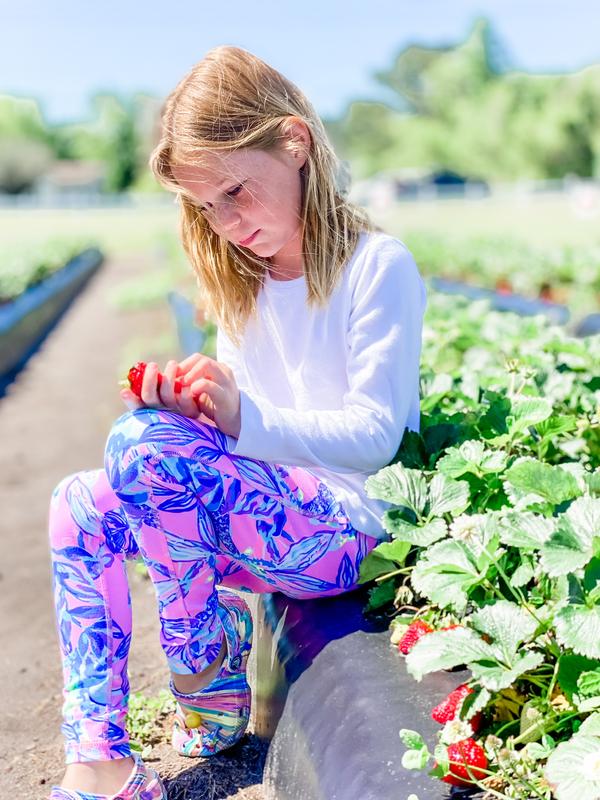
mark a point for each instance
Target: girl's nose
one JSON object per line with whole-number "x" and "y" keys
{"x": 228, "y": 216}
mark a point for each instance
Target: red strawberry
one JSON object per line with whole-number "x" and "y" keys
{"x": 412, "y": 635}
{"x": 136, "y": 375}
{"x": 466, "y": 753}
{"x": 449, "y": 708}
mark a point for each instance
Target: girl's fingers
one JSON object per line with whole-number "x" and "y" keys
{"x": 130, "y": 399}
{"x": 167, "y": 388}
{"x": 211, "y": 370}
{"x": 206, "y": 386}
{"x": 149, "y": 389}
{"x": 189, "y": 362}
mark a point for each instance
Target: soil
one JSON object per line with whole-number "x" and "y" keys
{"x": 54, "y": 420}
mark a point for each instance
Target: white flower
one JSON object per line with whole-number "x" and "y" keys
{"x": 469, "y": 528}
{"x": 455, "y": 731}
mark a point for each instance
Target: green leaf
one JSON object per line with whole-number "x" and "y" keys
{"x": 447, "y": 496}
{"x": 393, "y": 551}
{"x": 412, "y": 739}
{"x": 525, "y": 529}
{"x": 495, "y": 676}
{"x": 527, "y": 412}
{"x": 570, "y": 667}
{"x": 399, "y": 485}
{"x": 419, "y": 535}
{"x": 415, "y": 759}
{"x": 578, "y": 628}
{"x": 445, "y": 573}
{"x": 507, "y": 624}
{"x": 523, "y": 574}
{"x": 446, "y": 649}
{"x": 374, "y": 565}
{"x": 530, "y": 481}
{"x": 471, "y": 456}
{"x": 588, "y": 683}
{"x": 381, "y": 595}
{"x": 570, "y": 546}
{"x": 555, "y": 426}
{"x": 568, "y": 771}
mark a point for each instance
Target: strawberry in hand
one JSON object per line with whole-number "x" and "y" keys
{"x": 135, "y": 376}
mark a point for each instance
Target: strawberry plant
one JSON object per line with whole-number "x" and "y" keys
{"x": 493, "y": 511}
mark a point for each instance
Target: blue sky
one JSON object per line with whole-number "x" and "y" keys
{"x": 62, "y": 51}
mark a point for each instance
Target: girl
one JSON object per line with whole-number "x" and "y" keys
{"x": 252, "y": 477}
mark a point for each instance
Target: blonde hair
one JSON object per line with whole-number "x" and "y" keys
{"x": 229, "y": 100}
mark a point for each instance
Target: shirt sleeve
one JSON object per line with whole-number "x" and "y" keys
{"x": 383, "y": 355}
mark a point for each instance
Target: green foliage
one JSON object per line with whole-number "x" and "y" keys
{"x": 27, "y": 265}
{"x": 496, "y": 499}
{"x": 144, "y": 719}
{"x": 460, "y": 108}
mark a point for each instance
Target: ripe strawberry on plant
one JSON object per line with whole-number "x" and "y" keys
{"x": 135, "y": 377}
{"x": 412, "y": 635}
{"x": 468, "y": 757}
{"x": 449, "y": 708}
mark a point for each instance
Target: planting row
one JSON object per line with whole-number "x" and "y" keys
{"x": 27, "y": 265}
{"x": 494, "y": 558}
{"x": 565, "y": 275}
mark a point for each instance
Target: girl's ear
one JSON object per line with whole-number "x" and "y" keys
{"x": 300, "y": 139}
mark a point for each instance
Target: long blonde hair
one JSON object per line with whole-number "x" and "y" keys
{"x": 232, "y": 99}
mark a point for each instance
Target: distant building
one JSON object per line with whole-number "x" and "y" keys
{"x": 70, "y": 177}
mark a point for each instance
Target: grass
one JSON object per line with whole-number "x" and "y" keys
{"x": 543, "y": 220}
{"x": 145, "y": 717}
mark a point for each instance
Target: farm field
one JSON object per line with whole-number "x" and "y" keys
{"x": 518, "y": 387}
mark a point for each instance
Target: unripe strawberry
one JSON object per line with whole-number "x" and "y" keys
{"x": 468, "y": 757}
{"x": 413, "y": 633}
{"x": 449, "y": 708}
{"x": 135, "y": 377}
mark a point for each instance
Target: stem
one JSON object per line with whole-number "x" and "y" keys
{"x": 552, "y": 682}
{"x": 394, "y": 572}
{"x": 489, "y": 585}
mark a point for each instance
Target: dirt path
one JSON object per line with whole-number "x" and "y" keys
{"x": 54, "y": 420}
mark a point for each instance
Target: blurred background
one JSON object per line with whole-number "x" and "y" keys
{"x": 471, "y": 130}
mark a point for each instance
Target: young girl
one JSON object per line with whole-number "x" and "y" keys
{"x": 252, "y": 476}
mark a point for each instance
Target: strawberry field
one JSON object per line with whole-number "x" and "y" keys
{"x": 494, "y": 558}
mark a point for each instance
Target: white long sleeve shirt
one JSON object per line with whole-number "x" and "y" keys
{"x": 332, "y": 390}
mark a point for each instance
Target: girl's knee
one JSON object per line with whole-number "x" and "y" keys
{"x": 73, "y": 500}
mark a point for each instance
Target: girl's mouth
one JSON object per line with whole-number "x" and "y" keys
{"x": 249, "y": 240}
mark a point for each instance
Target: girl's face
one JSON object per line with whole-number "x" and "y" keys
{"x": 249, "y": 190}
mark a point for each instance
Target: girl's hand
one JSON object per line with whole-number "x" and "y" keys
{"x": 213, "y": 385}
{"x": 151, "y": 397}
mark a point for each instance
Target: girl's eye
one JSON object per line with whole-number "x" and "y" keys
{"x": 232, "y": 193}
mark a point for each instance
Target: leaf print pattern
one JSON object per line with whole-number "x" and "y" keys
{"x": 172, "y": 494}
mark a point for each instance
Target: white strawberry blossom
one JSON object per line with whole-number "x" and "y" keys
{"x": 455, "y": 731}
{"x": 469, "y": 528}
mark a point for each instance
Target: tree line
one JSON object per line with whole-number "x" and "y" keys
{"x": 458, "y": 107}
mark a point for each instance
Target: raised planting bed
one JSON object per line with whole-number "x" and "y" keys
{"x": 331, "y": 694}
{"x": 26, "y": 320}
{"x": 556, "y": 313}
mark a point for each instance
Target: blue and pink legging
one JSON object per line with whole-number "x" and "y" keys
{"x": 199, "y": 516}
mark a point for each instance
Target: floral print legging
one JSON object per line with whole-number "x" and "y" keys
{"x": 199, "y": 516}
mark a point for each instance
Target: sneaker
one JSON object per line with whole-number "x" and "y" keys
{"x": 144, "y": 783}
{"x": 216, "y": 717}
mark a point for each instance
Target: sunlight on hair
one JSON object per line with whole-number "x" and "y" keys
{"x": 231, "y": 99}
